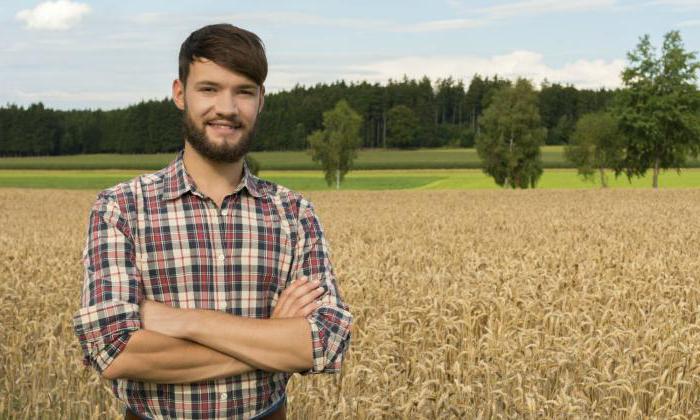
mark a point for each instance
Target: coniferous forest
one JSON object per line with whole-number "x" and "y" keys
{"x": 407, "y": 113}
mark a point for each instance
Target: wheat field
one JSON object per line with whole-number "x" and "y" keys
{"x": 477, "y": 304}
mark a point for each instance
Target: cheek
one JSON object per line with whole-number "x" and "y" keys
{"x": 251, "y": 111}
{"x": 197, "y": 105}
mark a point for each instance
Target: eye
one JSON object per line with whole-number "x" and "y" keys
{"x": 207, "y": 89}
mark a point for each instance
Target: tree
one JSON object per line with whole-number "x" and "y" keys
{"x": 658, "y": 108}
{"x": 595, "y": 145}
{"x": 335, "y": 146}
{"x": 402, "y": 127}
{"x": 558, "y": 111}
{"x": 511, "y": 136}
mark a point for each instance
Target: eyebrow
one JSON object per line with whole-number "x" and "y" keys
{"x": 218, "y": 85}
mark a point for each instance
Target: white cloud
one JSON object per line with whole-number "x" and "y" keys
{"x": 437, "y": 25}
{"x": 545, "y": 6}
{"x": 122, "y": 97}
{"x": 476, "y": 17}
{"x": 308, "y": 19}
{"x": 531, "y": 7}
{"x": 678, "y": 5}
{"x": 53, "y": 15}
{"x": 590, "y": 74}
{"x": 689, "y": 23}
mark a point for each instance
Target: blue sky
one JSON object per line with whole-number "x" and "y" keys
{"x": 107, "y": 54}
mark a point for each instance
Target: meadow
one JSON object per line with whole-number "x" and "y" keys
{"x": 552, "y": 156}
{"x": 423, "y": 179}
{"x": 373, "y": 170}
{"x": 467, "y": 304}
{"x": 367, "y": 159}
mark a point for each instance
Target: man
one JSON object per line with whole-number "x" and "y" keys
{"x": 205, "y": 286}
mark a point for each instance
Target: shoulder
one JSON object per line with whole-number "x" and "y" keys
{"x": 125, "y": 194}
{"x": 292, "y": 201}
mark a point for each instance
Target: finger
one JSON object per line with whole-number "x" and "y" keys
{"x": 285, "y": 300}
{"x": 304, "y": 289}
{"x": 309, "y": 297}
{"x": 309, "y": 308}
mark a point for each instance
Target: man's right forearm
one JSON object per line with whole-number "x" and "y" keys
{"x": 153, "y": 357}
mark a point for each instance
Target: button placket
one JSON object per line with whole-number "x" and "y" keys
{"x": 218, "y": 255}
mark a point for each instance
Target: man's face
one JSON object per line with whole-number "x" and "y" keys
{"x": 220, "y": 110}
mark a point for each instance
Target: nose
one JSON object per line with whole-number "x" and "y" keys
{"x": 226, "y": 104}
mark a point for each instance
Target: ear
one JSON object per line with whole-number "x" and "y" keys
{"x": 179, "y": 94}
{"x": 262, "y": 99}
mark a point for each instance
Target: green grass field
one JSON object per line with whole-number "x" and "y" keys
{"x": 368, "y": 159}
{"x": 374, "y": 170}
{"x": 355, "y": 180}
{"x": 552, "y": 157}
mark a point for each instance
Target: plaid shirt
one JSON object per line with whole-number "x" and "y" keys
{"x": 156, "y": 237}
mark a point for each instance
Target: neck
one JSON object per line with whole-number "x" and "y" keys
{"x": 214, "y": 179}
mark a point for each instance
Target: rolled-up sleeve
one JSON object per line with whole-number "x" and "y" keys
{"x": 331, "y": 323}
{"x": 109, "y": 309}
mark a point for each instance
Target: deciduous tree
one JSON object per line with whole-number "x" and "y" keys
{"x": 658, "y": 108}
{"x": 335, "y": 146}
{"x": 511, "y": 136}
{"x": 595, "y": 145}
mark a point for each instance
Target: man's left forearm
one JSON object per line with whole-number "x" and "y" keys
{"x": 282, "y": 345}
{"x": 277, "y": 344}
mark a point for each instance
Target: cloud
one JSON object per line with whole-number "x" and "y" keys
{"x": 531, "y": 7}
{"x": 112, "y": 98}
{"x": 56, "y": 15}
{"x": 689, "y": 23}
{"x": 678, "y": 5}
{"x": 476, "y": 17}
{"x": 437, "y": 25}
{"x": 544, "y": 6}
{"x": 588, "y": 74}
{"x": 309, "y": 19}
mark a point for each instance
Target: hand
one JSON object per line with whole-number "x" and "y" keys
{"x": 299, "y": 299}
{"x": 161, "y": 318}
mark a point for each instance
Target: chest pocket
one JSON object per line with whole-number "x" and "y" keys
{"x": 191, "y": 256}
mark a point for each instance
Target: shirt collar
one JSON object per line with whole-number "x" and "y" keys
{"x": 177, "y": 181}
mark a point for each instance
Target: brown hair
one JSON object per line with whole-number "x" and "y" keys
{"x": 229, "y": 46}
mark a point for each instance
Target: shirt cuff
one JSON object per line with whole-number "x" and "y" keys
{"x": 319, "y": 361}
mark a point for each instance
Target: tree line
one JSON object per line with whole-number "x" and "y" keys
{"x": 653, "y": 122}
{"x": 405, "y": 113}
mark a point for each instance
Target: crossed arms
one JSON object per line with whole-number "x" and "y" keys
{"x": 187, "y": 345}
{"x": 126, "y": 336}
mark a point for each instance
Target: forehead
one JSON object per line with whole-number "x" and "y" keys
{"x": 205, "y": 70}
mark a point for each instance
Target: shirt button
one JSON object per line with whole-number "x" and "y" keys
{"x": 221, "y": 257}
{"x": 223, "y": 305}
{"x": 224, "y": 212}
{"x": 223, "y": 396}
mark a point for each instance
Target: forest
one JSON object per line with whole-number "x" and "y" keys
{"x": 405, "y": 114}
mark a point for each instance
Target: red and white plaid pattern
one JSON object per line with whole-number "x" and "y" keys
{"x": 156, "y": 237}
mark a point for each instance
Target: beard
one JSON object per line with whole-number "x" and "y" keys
{"x": 222, "y": 153}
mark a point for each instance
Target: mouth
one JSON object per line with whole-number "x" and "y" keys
{"x": 225, "y": 127}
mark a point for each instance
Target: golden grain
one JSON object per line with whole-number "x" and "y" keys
{"x": 479, "y": 304}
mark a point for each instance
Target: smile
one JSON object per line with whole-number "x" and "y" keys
{"x": 225, "y": 127}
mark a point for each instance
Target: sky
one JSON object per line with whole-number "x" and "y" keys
{"x": 81, "y": 54}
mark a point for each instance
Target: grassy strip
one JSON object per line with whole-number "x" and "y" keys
{"x": 298, "y": 180}
{"x": 552, "y": 156}
{"x": 356, "y": 180}
{"x": 374, "y": 159}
